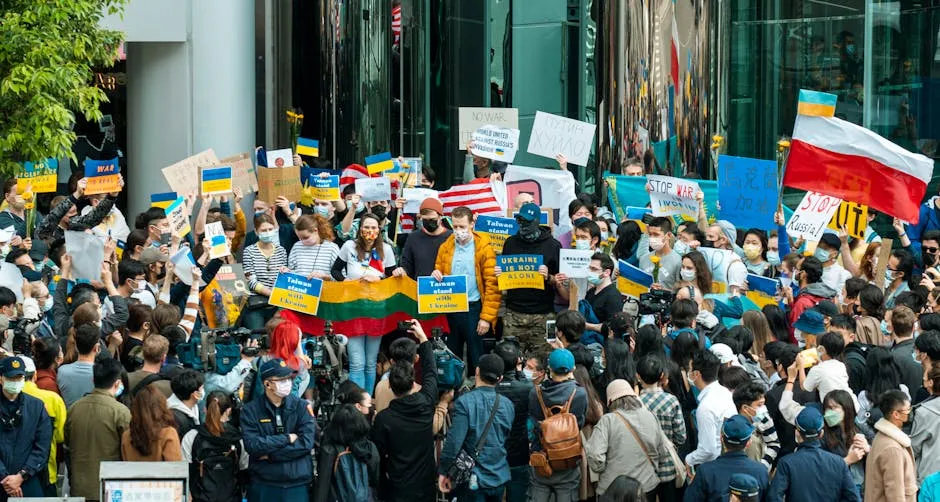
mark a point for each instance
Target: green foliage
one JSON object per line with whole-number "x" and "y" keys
{"x": 48, "y": 52}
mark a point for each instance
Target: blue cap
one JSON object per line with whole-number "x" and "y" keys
{"x": 12, "y": 367}
{"x": 275, "y": 368}
{"x": 811, "y": 321}
{"x": 743, "y": 485}
{"x": 809, "y": 422}
{"x": 561, "y": 361}
{"x": 737, "y": 430}
{"x": 529, "y": 212}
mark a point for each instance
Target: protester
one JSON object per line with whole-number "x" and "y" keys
{"x": 262, "y": 262}
{"x": 422, "y": 247}
{"x": 151, "y": 436}
{"x": 889, "y": 469}
{"x": 355, "y": 459}
{"x": 925, "y": 427}
{"x": 215, "y": 453}
{"x": 715, "y": 405}
{"x": 188, "y": 392}
{"x": 55, "y": 407}
{"x": 516, "y": 386}
{"x": 75, "y": 379}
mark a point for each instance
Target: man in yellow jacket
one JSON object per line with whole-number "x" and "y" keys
{"x": 469, "y": 253}
{"x": 55, "y": 407}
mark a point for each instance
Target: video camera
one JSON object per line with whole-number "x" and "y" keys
{"x": 326, "y": 370}
{"x": 657, "y": 302}
{"x": 222, "y": 348}
{"x": 449, "y": 366}
{"x": 22, "y": 335}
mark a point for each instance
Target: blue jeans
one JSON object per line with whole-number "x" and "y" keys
{"x": 257, "y": 318}
{"x": 463, "y": 330}
{"x": 518, "y": 486}
{"x": 363, "y": 351}
{"x": 481, "y": 495}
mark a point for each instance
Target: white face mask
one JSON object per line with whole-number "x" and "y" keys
{"x": 282, "y": 388}
{"x": 656, "y": 243}
{"x": 462, "y": 236}
{"x": 761, "y": 413}
{"x": 687, "y": 275}
{"x": 682, "y": 248}
{"x": 47, "y": 305}
{"x": 529, "y": 374}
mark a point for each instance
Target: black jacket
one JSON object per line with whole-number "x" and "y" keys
{"x": 854, "y": 356}
{"x": 528, "y": 300}
{"x": 364, "y": 450}
{"x": 274, "y": 460}
{"x": 205, "y": 444}
{"x": 516, "y": 388}
{"x": 404, "y": 435}
{"x": 25, "y": 447}
{"x": 785, "y": 431}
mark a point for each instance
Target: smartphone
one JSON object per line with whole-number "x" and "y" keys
{"x": 165, "y": 239}
{"x": 550, "y": 335}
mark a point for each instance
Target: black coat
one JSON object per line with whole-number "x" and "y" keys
{"x": 516, "y": 388}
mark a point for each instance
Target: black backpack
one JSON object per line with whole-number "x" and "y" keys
{"x": 350, "y": 480}
{"x": 213, "y": 472}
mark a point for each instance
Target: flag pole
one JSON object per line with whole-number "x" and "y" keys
{"x": 783, "y": 153}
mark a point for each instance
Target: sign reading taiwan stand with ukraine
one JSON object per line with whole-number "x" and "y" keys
{"x": 103, "y": 176}
{"x": 497, "y": 229}
{"x": 520, "y": 271}
{"x": 297, "y": 293}
{"x": 447, "y": 296}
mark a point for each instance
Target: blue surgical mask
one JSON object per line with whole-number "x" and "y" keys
{"x": 821, "y": 254}
{"x": 681, "y": 248}
{"x": 773, "y": 258}
{"x": 582, "y": 244}
{"x": 120, "y": 390}
{"x": 269, "y": 237}
{"x": 259, "y": 213}
{"x": 322, "y": 211}
{"x": 884, "y": 327}
{"x": 594, "y": 278}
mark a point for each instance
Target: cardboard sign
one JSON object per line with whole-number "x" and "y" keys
{"x": 178, "y": 215}
{"x": 243, "y": 171}
{"x": 520, "y": 271}
{"x": 747, "y": 191}
{"x": 325, "y": 187}
{"x": 553, "y": 134}
{"x": 574, "y": 262}
{"x": 853, "y": 216}
{"x": 162, "y": 200}
{"x": 812, "y": 216}
{"x": 279, "y": 158}
{"x": 495, "y": 143}
{"x": 183, "y": 177}
{"x": 215, "y": 180}
{"x": 103, "y": 176}
{"x": 274, "y": 183}
{"x": 673, "y": 197}
{"x": 470, "y": 119}
{"x": 232, "y": 278}
{"x": 497, "y": 229}
{"x": 632, "y": 281}
{"x": 445, "y": 297}
{"x": 373, "y": 189}
{"x": 218, "y": 247}
{"x": 297, "y": 293}
{"x": 40, "y": 176}
{"x": 414, "y": 197}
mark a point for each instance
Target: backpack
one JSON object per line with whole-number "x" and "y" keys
{"x": 449, "y": 368}
{"x": 350, "y": 481}
{"x": 561, "y": 436}
{"x": 213, "y": 473}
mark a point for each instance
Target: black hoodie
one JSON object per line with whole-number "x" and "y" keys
{"x": 533, "y": 301}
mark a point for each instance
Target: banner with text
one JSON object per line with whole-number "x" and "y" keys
{"x": 747, "y": 191}
{"x": 853, "y": 216}
{"x": 812, "y": 216}
{"x": 41, "y": 176}
{"x": 495, "y": 143}
{"x": 447, "y": 296}
{"x": 497, "y": 229}
{"x": 470, "y": 119}
{"x": 673, "y": 197}
{"x": 103, "y": 176}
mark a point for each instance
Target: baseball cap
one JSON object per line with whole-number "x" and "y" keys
{"x": 151, "y": 255}
{"x": 12, "y": 367}
{"x": 529, "y": 212}
{"x": 432, "y": 204}
{"x": 275, "y": 368}
{"x": 561, "y": 361}
{"x": 617, "y": 389}
{"x": 491, "y": 367}
{"x": 743, "y": 485}
{"x": 831, "y": 240}
{"x": 737, "y": 430}
{"x": 723, "y": 352}
{"x": 826, "y": 308}
{"x": 810, "y": 321}
{"x": 809, "y": 422}
{"x": 28, "y": 365}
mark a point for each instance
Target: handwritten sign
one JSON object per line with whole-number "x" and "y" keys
{"x": 496, "y": 143}
{"x": 520, "y": 271}
{"x": 284, "y": 182}
{"x": 470, "y": 119}
{"x": 232, "y": 278}
{"x": 747, "y": 191}
{"x": 178, "y": 215}
{"x": 553, "y": 134}
{"x": 325, "y": 187}
{"x": 414, "y": 197}
{"x": 297, "y": 293}
{"x": 215, "y": 180}
{"x": 812, "y": 216}
{"x": 183, "y": 177}
{"x": 447, "y": 296}
{"x": 497, "y": 229}
{"x": 853, "y": 216}
{"x": 574, "y": 262}
{"x": 279, "y": 158}
{"x": 243, "y": 171}
{"x": 372, "y": 189}
{"x": 183, "y": 265}
{"x": 103, "y": 176}
{"x": 218, "y": 247}
{"x": 41, "y": 176}
{"x": 673, "y": 197}
{"x": 162, "y": 200}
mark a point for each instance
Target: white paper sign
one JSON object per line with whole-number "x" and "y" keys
{"x": 553, "y": 134}
{"x": 574, "y": 262}
{"x": 372, "y": 189}
{"x": 218, "y": 247}
{"x": 414, "y": 197}
{"x": 12, "y": 278}
{"x": 471, "y": 119}
{"x": 280, "y": 158}
{"x": 812, "y": 216}
{"x": 496, "y": 143}
{"x": 183, "y": 263}
{"x": 673, "y": 196}
{"x": 6, "y": 235}
{"x": 87, "y": 252}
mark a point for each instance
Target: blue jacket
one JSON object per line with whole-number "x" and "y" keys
{"x": 25, "y": 447}
{"x": 471, "y": 413}
{"x": 711, "y": 478}
{"x": 274, "y": 459}
{"x": 811, "y": 474}
{"x": 929, "y": 220}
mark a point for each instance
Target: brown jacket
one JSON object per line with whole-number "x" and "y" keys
{"x": 485, "y": 266}
{"x": 166, "y": 448}
{"x": 93, "y": 431}
{"x": 889, "y": 469}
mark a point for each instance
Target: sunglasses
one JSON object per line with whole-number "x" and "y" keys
{"x": 931, "y": 250}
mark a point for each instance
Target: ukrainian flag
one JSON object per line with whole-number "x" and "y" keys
{"x": 815, "y": 103}
{"x": 632, "y": 281}
{"x": 761, "y": 290}
{"x": 308, "y": 147}
{"x": 162, "y": 200}
{"x": 379, "y": 162}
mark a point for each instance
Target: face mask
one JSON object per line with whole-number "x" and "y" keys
{"x": 691, "y": 380}
{"x": 200, "y": 396}
{"x": 773, "y": 257}
{"x": 462, "y": 235}
{"x": 430, "y": 225}
{"x": 682, "y": 248}
{"x": 850, "y": 49}
{"x": 687, "y": 275}
{"x": 761, "y": 413}
{"x": 120, "y": 390}
{"x": 282, "y": 388}
{"x": 530, "y": 231}
{"x": 914, "y": 357}
{"x": 369, "y": 234}
{"x": 582, "y": 244}
{"x": 380, "y": 212}
{"x": 47, "y": 305}
{"x": 13, "y": 387}
{"x": 268, "y": 237}
{"x": 322, "y": 211}
{"x": 833, "y": 417}
{"x": 529, "y": 374}
{"x": 820, "y": 352}
{"x": 594, "y": 278}
{"x": 656, "y": 243}
{"x": 751, "y": 251}
{"x": 141, "y": 285}
{"x": 605, "y": 236}
{"x": 884, "y": 327}
{"x": 821, "y": 254}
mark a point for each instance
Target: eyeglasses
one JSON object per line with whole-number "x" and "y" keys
{"x": 931, "y": 250}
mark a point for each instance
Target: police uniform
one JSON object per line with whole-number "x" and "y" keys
{"x": 279, "y": 470}
{"x": 25, "y": 431}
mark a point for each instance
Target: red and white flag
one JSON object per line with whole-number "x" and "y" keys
{"x": 674, "y": 53}
{"x": 479, "y": 197}
{"x": 844, "y": 160}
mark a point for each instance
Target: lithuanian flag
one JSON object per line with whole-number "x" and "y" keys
{"x": 632, "y": 281}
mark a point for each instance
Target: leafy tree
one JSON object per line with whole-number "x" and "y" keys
{"x": 48, "y": 50}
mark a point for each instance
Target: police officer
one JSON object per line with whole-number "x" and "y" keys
{"x": 278, "y": 431}
{"x": 25, "y": 434}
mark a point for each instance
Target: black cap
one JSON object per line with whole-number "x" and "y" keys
{"x": 491, "y": 367}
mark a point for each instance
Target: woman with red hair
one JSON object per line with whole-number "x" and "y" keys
{"x": 285, "y": 342}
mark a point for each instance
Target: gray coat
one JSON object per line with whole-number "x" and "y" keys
{"x": 613, "y": 451}
{"x": 925, "y": 438}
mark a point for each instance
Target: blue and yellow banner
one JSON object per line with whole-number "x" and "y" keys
{"x": 162, "y": 200}
{"x": 379, "y": 162}
{"x": 497, "y": 229}
{"x": 40, "y": 176}
{"x": 632, "y": 281}
{"x": 297, "y": 293}
{"x": 520, "y": 271}
{"x": 103, "y": 176}
{"x": 636, "y": 214}
{"x": 308, "y": 147}
{"x": 324, "y": 187}
{"x": 817, "y": 104}
{"x": 447, "y": 296}
{"x": 216, "y": 180}
{"x": 762, "y": 290}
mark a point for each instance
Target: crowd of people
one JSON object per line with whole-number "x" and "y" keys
{"x": 572, "y": 391}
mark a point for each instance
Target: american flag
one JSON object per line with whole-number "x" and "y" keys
{"x": 479, "y": 197}
{"x": 396, "y": 24}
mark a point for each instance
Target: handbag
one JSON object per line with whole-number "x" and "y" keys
{"x": 460, "y": 471}
{"x": 256, "y": 302}
{"x": 677, "y": 463}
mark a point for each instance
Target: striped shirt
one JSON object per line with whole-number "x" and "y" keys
{"x": 260, "y": 269}
{"x": 305, "y": 260}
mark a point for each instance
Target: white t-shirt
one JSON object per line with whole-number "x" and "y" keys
{"x": 835, "y": 277}
{"x": 348, "y": 254}
{"x": 828, "y": 376}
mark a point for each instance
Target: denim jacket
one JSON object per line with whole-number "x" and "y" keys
{"x": 471, "y": 412}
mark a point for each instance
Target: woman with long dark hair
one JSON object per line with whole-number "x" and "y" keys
{"x": 346, "y": 435}
{"x": 777, "y": 320}
{"x": 649, "y": 341}
{"x": 696, "y": 274}
{"x": 884, "y": 374}
{"x": 215, "y": 453}
{"x": 618, "y": 365}
{"x": 683, "y": 347}
{"x": 870, "y": 315}
{"x": 151, "y": 436}
{"x": 628, "y": 237}
{"x": 843, "y": 436}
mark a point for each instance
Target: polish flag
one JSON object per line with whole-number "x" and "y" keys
{"x": 674, "y": 53}
{"x": 838, "y": 158}
{"x": 479, "y": 197}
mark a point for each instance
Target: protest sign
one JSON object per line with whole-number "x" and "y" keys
{"x": 162, "y": 200}
{"x": 12, "y": 278}
{"x": 470, "y": 119}
{"x": 87, "y": 252}
{"x": 762, "y": 290}
{"x": 296, "y": 292}
{"x": 853, "y": 216}
{"x": 812, "y": 216}
{"x": 215, "y": 180}
{"x": 406, "y": 171}
{"x": 325, "y": 187}
{"x": 103, "y": 176}
{"x": 183, "y": 177}
{"x": 379, "y": 162}
{"x": 520, "y": 271}
{"x": 232, "y": 278}
{"x": 7, "y": 234}
{"x": 631, "y": 280}
{"x": 496, "y": 143}
{"x": 372, "y": 189}
{"x": 274, "y": 183}
{"x": 243, "y": 171}
{"x": 673, "y": 197}
{"x": 308, "y": 147}
{"x": 414, "y": 197}
{"x": 183, "y": 264}
{"x": 218, "y": 248}
{"x": 178, "y": 215}
{"x": 447, "y": 296}
{"x": 497, "y": 229}
{"x": 40, "y": 176}
{"x": 747, "y": 191}
{"x": 279, "y": 158}
{"x": 574, "y": 262}
{"x": 549, "y": 188}
{"x": 553, "y": 134}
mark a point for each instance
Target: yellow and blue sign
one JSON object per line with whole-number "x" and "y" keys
{"x": 632, "y": 281}
{"x": 177, "y": 214}
{"x": 325, "y": 187}
{"x": 41, "y": 176}
{"x": 162, "y": 200}
{"x": 447, "y": 296}
{"x": 297, "y": 293}
{"x": 103, "y": 176}
{"x": 817, "y": 104}
{"x": 497, "y": 229}
{"x": 308, "y": 147}
{"x": 216, "y": 180}
{"x": 636, "y": 214}
{"x": 520, "y": 271}
{"x": 762, "y": 290}
{"x": 379, "y": 162}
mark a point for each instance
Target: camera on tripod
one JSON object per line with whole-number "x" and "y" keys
{"x": 326, "y": 370}
{"x": 657, "y": 302}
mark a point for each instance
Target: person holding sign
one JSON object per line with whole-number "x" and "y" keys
{"x": 827, "y": 252}
{"x": 467, "y": 252}
{"x": 663, "y": 262}
{"x": 158, "y": 228}
{"x": 15, "y": 214}
{"x": 262, "y": 262}
{"x": 64, "y": 215}
{"x": 603, "y": 296}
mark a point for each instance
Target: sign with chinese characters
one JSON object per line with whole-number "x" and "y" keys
{"x": 747, "y": 191}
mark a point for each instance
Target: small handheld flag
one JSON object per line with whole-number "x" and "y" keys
{"x": 379, "y": 162}
{"x": 308, "y": 147}
{"x": 815, "y": 103}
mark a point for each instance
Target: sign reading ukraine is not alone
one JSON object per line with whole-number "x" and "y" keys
{"x": 297, "y": 293}
{"x": 447, "y": 296}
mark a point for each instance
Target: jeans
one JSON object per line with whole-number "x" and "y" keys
{"x": 480, "y": 495}
{"x": 518, "y": 485}
{"x": 564, "y": 485}
{"x": 363, "y": 351}
{"x": 463, "y": 329}
{"x": 257, "y": 318}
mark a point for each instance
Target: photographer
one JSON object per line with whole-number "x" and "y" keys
{"x": 231, "y": 380}
{"x": 682, "y": 316}
{"x": 404, "y": 350}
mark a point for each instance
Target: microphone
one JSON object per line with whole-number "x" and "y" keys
{"x": 342, "y": 340}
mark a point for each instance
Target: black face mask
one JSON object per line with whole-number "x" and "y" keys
{"x": 530, "y": 231}
{"x": 431, "y": 225}
{"x": 708, "y": 244}
{"x": 929, "y": 259}
{"x": 380, "y": 212}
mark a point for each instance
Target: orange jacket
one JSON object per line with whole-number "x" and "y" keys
{"x": 485, "y": 259}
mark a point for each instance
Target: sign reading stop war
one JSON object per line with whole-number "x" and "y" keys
{"x": 811, "y": 218}
{"x": 853, "y": 216}
{"x": 552, "y": 134}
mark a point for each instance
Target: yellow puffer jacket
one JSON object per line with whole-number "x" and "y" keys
{"x": 485, "y": 259}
